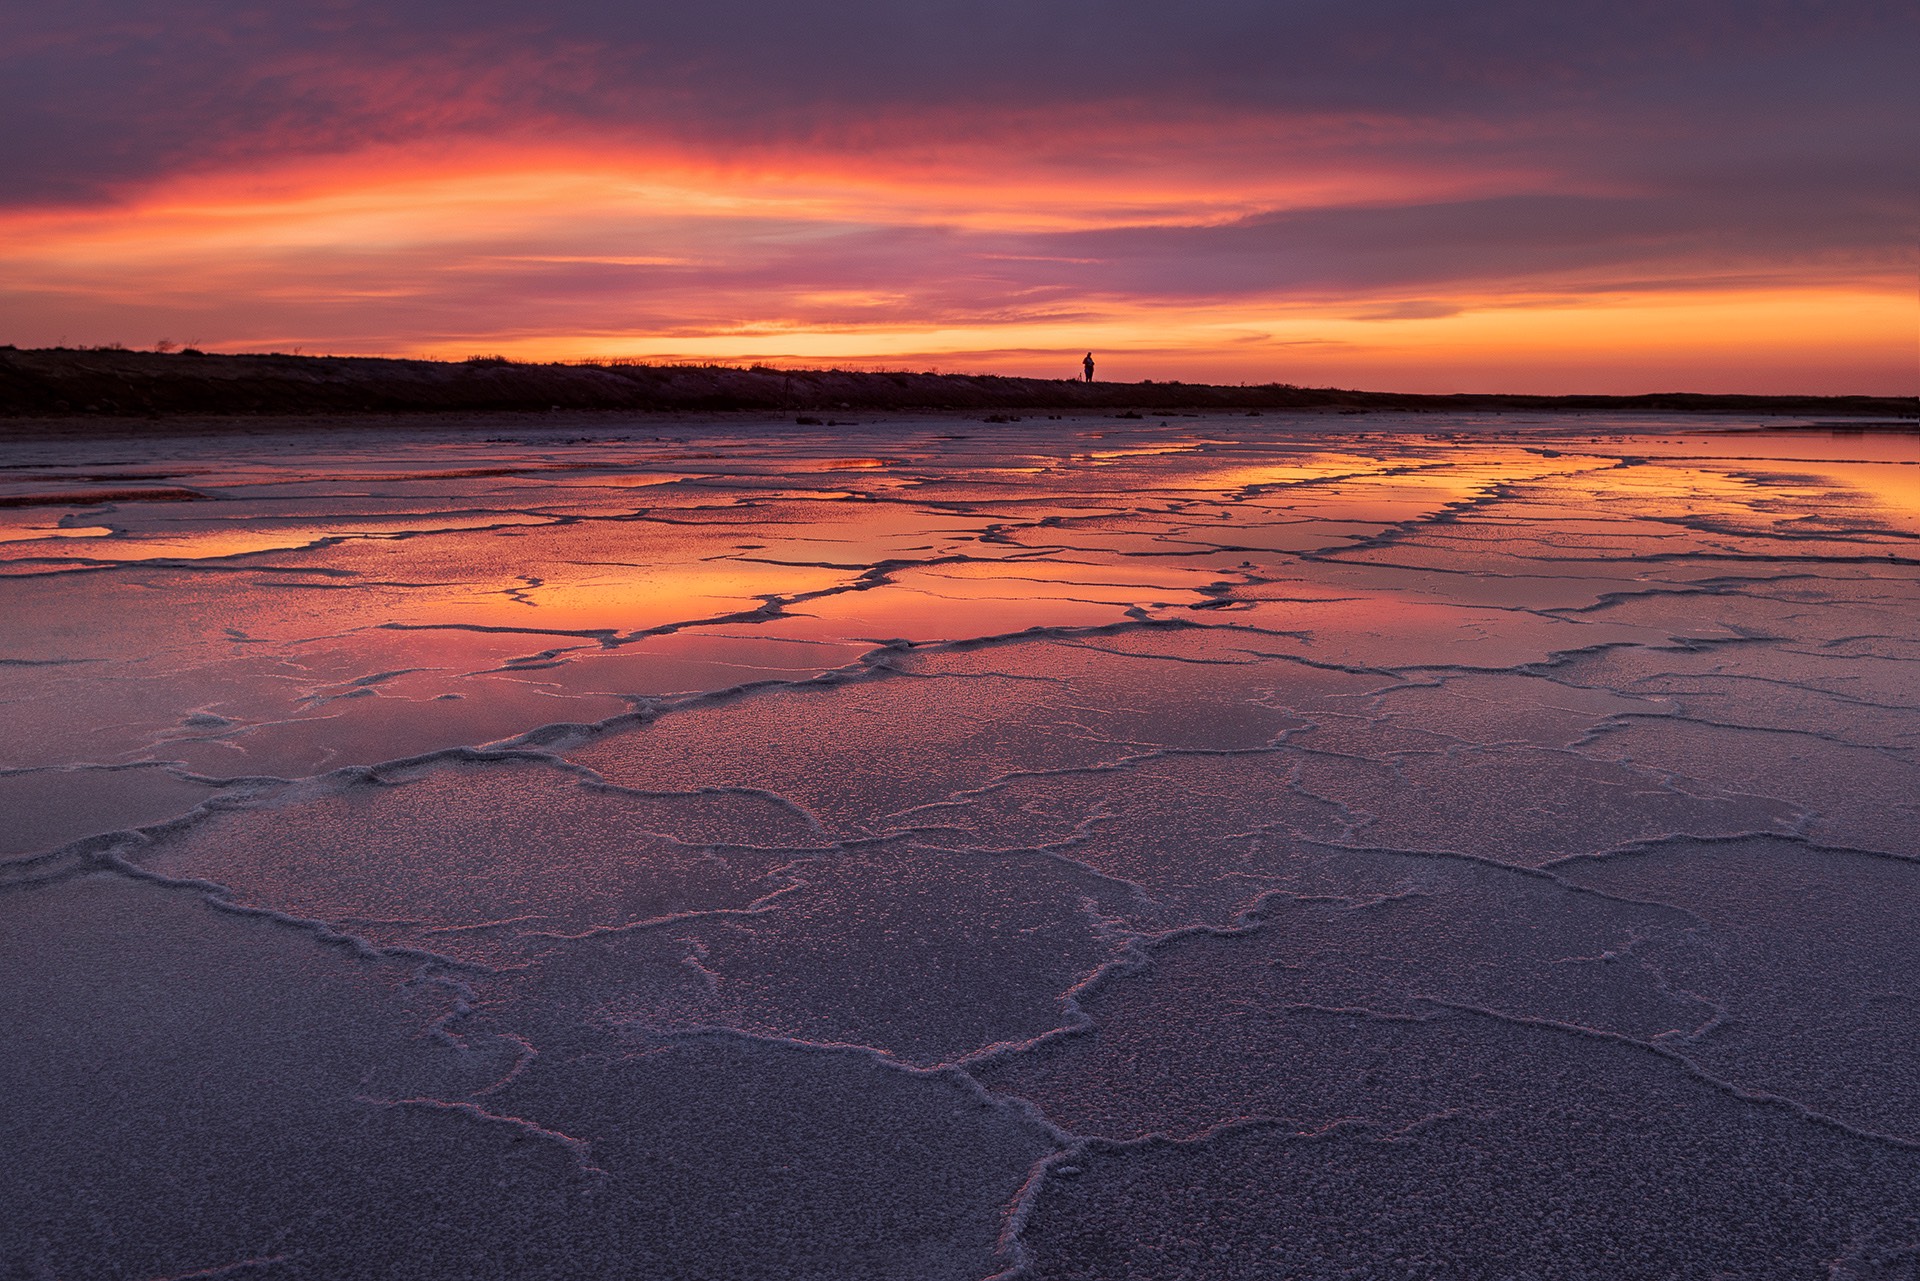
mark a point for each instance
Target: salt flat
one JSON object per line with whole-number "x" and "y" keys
{"x": 1389, "y": 846}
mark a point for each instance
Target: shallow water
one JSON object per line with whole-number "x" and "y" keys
{"x": 1224, "y": 847}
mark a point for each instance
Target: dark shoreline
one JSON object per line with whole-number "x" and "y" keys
{"x": 96, "y": 384}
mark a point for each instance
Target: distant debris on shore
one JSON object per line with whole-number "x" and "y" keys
{"x": 59, "y": 382}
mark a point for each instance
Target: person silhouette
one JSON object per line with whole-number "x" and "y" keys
{"x": 1087, "y": 365}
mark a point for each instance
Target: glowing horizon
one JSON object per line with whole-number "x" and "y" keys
{"x": 1488, "y": 230}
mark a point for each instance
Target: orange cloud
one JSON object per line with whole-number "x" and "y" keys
{"x": 958, "y": 257}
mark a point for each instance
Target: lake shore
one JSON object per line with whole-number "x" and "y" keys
{"x": 104, "y": 384}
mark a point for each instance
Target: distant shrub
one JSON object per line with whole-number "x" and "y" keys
{"x": 487, "y": 360}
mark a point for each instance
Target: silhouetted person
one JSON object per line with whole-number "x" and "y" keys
{"x": 1087, "y": 365}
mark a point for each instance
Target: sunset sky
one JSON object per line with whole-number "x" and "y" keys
{"x": 1710, "y": 195}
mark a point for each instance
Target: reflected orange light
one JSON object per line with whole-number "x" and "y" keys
{"x": 1880, "y": 468}
{"x": 1894, "y": 490}
{"x": 220, "y": 541}
{"x": 35, "y": 533}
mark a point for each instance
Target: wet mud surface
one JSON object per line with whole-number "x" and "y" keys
{"x": 1214, "y": 847}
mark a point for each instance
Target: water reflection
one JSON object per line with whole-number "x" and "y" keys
{"x": 449, "y": 558}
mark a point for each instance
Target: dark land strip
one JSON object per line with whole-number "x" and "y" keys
{"x": 99, "y": 384}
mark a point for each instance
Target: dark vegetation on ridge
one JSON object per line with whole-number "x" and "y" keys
{"x": 118, "y": 383}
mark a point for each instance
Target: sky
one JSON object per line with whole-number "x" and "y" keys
{"x": 1477, "y": 195}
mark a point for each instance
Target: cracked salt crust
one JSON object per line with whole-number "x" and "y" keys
{"x": 1241, "y": 851}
